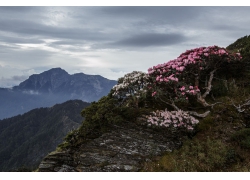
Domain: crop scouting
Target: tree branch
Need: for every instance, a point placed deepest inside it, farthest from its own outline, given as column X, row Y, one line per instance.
column 239, row 107
column 199, row 115
column 171, row 104
column 209, row 86
column 201, row 98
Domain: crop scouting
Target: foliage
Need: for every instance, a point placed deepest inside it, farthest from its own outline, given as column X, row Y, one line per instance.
column 242, row 46
column 131, row 86
column 27, row 138
column 172, row 82
column 172, row 119
column 201, row 156
column 197, row 80
column 183, row 77
column 242, row 137
column 98, row 117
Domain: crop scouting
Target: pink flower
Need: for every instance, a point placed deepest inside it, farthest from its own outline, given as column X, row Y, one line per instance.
column 182, row 88
column 173, row 66
column 181, row 68
column 192, row 92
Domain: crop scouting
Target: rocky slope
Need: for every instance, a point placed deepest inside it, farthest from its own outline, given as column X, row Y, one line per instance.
column 26, row 139
column 124, row 147
column 129, row 131
column 51, row 87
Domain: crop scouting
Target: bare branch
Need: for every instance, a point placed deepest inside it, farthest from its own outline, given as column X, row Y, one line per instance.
column 247, row 103
column 209, row 85
column 239, row 107
column 171, row 104
column 212, row 105
column 199, row 115
column 201, row 98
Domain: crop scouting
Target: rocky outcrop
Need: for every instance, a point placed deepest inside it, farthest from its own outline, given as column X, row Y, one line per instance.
column 123, row 148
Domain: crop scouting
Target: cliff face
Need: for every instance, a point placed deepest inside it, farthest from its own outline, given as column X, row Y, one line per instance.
column 123, row 148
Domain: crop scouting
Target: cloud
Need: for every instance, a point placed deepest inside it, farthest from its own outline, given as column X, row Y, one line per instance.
column 12, row 81
column 150, row 39
column 109, row 41
column 13, row 40
column 31, row 92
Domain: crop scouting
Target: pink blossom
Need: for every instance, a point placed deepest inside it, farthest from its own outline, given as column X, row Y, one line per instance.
column 182, row 88
column 181, row 68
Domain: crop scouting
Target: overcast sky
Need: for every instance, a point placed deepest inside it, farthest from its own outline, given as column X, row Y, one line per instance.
column 109, row 41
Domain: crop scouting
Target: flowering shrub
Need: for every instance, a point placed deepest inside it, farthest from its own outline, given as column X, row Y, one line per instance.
column 179, row 78
column 132, row 84
column 172, row 119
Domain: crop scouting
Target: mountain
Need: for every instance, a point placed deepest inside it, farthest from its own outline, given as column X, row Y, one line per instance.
column 161, row 126
column 51, row 87
column 26, row 139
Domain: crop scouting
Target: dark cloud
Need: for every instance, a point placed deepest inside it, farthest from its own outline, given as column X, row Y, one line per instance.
column 19, row 78
column 16, row 9
column 150, row 39
column 110, row 36
column 30, row 28
column 26, row 57
column 159, row 14
column 20, row 40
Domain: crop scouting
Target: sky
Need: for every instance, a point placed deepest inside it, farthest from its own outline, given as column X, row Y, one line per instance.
column 109, row 40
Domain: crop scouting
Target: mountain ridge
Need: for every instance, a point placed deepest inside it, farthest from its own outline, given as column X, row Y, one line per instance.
column 51, row 87
column 25, row 139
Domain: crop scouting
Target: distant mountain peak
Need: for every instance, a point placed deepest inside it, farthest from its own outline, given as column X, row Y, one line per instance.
column 50, row 87
column 55, row 70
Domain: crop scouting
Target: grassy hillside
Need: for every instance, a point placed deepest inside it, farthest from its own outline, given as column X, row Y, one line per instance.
column 222, row 141
column 203, row 95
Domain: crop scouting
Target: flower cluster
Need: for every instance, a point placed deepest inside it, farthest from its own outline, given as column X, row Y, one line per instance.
column 189, row 90
column 173, row 72
column 175, row 119
column 132, row 84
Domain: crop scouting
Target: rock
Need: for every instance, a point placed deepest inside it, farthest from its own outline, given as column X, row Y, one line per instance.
column 123, row 149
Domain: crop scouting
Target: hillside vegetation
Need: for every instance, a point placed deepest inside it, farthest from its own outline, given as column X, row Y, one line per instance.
column 202, row 95
column 26, row 139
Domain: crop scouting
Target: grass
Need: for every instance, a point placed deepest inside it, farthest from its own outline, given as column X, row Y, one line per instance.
column 221, row 144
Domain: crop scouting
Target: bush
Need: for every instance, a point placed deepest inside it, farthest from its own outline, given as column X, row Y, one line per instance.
column 196, row 156
column 242, row 137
